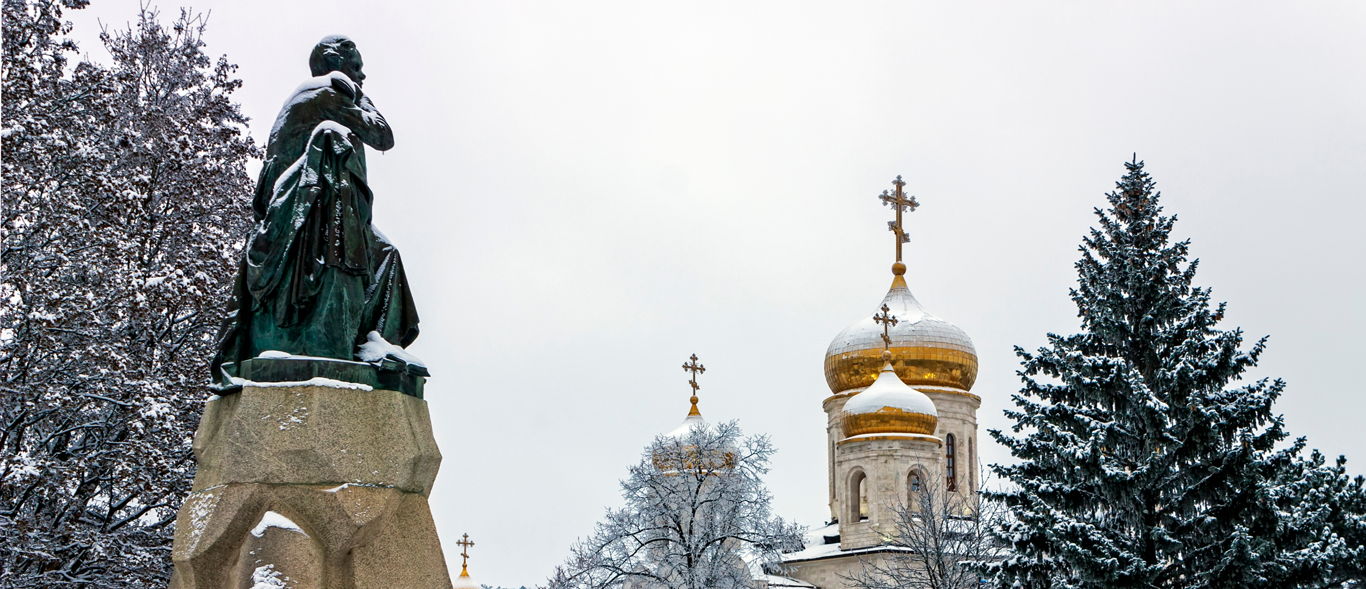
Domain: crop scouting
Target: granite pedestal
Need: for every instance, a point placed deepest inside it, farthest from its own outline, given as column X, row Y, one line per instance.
column 311, row 485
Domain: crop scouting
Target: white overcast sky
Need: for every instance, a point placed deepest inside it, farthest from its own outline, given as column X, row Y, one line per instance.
column 585, row 193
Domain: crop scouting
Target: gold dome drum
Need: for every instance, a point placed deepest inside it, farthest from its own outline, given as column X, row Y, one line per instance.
column 888, row 420
column 888, row 406
column 926, row 350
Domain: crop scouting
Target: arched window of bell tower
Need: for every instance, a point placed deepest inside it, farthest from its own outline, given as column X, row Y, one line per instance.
column 830, row 465
column 915, row 489
column 858, row 496
column 950, row 463
column 972, row 467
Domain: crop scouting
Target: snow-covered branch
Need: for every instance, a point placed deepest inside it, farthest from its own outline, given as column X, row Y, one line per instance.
column 697, row 516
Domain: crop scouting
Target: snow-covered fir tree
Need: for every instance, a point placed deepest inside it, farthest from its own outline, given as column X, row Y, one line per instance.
column 125, row 204
column 1145, row 459
column 1323, row 527
column 697, row 516
column 940, row 540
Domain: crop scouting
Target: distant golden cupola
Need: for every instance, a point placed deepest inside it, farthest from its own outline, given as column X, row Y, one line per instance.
column 926, row 351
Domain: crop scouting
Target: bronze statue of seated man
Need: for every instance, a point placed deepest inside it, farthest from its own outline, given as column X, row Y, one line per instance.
column 317, row 278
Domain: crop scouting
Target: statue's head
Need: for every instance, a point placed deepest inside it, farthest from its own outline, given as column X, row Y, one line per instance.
column 336, row 53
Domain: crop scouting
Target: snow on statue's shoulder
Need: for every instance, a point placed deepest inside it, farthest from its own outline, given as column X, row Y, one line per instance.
column 306, row 89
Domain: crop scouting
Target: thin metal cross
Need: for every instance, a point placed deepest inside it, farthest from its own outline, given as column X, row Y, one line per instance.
column 888, row 320
column 695, row 368
column 465, row 544
column 899, row 201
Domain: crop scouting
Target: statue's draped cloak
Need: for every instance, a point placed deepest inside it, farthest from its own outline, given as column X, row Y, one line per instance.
column 317, row 277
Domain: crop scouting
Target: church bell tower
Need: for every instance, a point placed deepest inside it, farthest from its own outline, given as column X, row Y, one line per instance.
column 900, row 416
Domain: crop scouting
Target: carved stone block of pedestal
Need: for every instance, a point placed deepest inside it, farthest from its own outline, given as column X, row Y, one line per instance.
column 316, row 434
column 311, row 486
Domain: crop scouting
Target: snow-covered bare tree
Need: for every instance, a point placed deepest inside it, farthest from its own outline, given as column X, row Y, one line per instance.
column 1145, row 461
column 697, row 516
column 126, row 201
column 941, row 540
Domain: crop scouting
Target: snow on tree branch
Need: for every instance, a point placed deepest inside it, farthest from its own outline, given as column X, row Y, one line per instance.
column 126, row 203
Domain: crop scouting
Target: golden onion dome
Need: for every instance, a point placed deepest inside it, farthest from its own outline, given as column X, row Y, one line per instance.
column 926, row 350
column 888, row 406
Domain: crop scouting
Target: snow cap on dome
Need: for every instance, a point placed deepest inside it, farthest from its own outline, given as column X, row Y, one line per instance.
column 888, row 406
column 693, row 420
column 926, row 351
column 464, row 581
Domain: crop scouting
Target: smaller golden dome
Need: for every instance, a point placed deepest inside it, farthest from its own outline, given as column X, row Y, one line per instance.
column 888, row 406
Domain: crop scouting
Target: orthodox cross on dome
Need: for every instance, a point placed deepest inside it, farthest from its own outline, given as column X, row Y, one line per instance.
column 692, row 366
column 887, row 320
column 900, row 202
column 465, row 544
